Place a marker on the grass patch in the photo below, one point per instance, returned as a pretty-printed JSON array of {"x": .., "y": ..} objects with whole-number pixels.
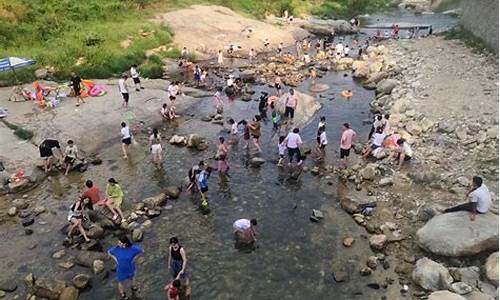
[
  {"x": 468, "y": 38},
  {"x": 103, "y": 38},
  {"x": 19, "y": 131}
]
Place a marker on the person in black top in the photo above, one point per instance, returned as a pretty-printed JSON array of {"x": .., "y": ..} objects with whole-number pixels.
[
  {"x": 76, "y": 85},
  {"x": 177, "y": 262},
  {"x": 263, "y": 105},
  {"x": 46, "y": 152}
]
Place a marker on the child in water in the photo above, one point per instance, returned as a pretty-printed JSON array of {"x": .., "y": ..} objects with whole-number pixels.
[{"x": 281, "y": 149}]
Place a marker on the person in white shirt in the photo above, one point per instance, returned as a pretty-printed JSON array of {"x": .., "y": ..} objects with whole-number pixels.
[
  {"x": 123, "y": 87},
  {"x": 340, "y": 50},
  {"x": 135, "y": 78},
  {"x": 377, "y": 141},
  {"x": 346, "y": 50},
  {"x": 70, "y": 156},
  {"x": 480, "y": 199},
  {"x": 322, "y": 143},
  {"x": 293, "y": 142},
  {"x": 378, "y": 122},
  {"x": 126, "y": 139},
  {"x": 220, "y": 58},
  {"x": 307, "y": 58},
  {"x": 173, "y": 90},
  {"x": 281, "y": 149},
  {"x": 251, "y": 54},
  {"x": 184, "y": 53},
  {"x": 245, "y": 230},
  {"x": 403, "y": 152}
]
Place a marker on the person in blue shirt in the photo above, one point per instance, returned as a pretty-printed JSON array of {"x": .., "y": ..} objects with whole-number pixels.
[
  {"x": 124, "y": 256},
  {"x": 203, "y": 184}
]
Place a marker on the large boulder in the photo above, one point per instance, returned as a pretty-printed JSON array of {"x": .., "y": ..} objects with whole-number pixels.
[
  {"x": 69, "y": 293},
  {"x": 49, "y": 288},
  {"x": 491, "y": 268},
  {"x": 386, "y": 86},
  {"x": 194, "y": 140},
  {"x": 431, "y": 275},
  {"x": 454, "y": 234},
  {"x": 155, "y": 201},
  {"x": 172, "y": 192},
  {"x": 307, "y": 106},
  {"x": 87, "y": 258},
  {"x": 445, "y": 295},
  {"x": 325, "y": 27}
]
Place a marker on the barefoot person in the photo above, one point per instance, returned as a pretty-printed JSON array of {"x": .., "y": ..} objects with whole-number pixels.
[
  {"x": 123, "y": 87},
  {"x": 177, "y": 262},
  {"x": 277, "y": 84},
  {"x": 47, "y": 154},
  {"x": 346, "y": 143},
  {"x": 377, "y": 141},
  {"x": 90, "y": 196},
  {"x": 135, "y": 77},
  {"x": 155, "y": 146},
  {"x": 76, "y": 84},
  {"x": 75, "y": 218},
  {"x": 255, "y": 132},
  {"x": 290, "y": 105},
  {"x": 193, "y": 174},
  {"x": 173, "y": 290},
  {"x": 245, "y": 230},
  {"x": 126, "y": 139},
  {"x": 402, "y": 153},
  {"x": 70, "y": 156},
  {"x": 125, "y": 254},
  {"x": 293, "y": 142},
  {"x": 322, "y": 142},
  {"x": 114, "y": 199},
  {"x": 480, "y": 199}
]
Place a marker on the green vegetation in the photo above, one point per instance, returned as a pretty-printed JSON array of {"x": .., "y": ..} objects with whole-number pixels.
[
  {"x": 468, "y": 38},
  {"x": 102, "y": 38},
  {"x": 18, "y": 131}
]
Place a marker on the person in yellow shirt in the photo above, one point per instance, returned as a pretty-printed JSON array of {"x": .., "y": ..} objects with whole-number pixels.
[{"x": 114, "y": 199}]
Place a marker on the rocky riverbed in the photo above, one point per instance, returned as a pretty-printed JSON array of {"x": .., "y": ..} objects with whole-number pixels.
[{"x": 443, "y": 98}]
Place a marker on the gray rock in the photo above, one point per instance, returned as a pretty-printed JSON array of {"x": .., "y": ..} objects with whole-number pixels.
[
  {"x": 81, "y": 281},
  {"x": 41, "y": 73},
  {"x": 38, "y": 210},
  {"x": 49, "y": 288},
  {"x": 454, "y": 234},
  {"x": 95, "y": 232},
  {"x": 340, "y": 276},
  {"x": 194, "y": 141},
  {"x": 378, "y": 241},
  {"x": 155, "y": 201},
  {"x": 8, "y": 286},
  {"x": 461, "y": 288},
  {"x": 27, "y": 221},
  {"x": 257, "y": 162},
  {"x": 372, "y": 262},
  {"x": 172, "y": 192},
  {"x": 446, "y": 127},
  {"x": 431, "y": 275},
  {"x": 445, "y": 295},
  {"x": 369, "y": 172},
  {"x": 87, "y": 258},
  {"x": 97, "y": 266},
  {"x": 137, "y": 235},
  {"x": 12, "y": 211},
  {"x": 20, "y": 203},
  {"x": 491, "y": 268},
  {"x": 474, "y": 295},
  {"x": 386, "y": 181},
  {"x": 386, "y": 86},
  {"x": 69, "y": 293}
]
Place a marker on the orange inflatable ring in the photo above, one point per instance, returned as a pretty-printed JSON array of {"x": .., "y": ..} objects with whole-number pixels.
[{"x": 346, "y": 94}]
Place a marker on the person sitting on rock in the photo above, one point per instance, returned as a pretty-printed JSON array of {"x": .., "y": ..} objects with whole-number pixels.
[
  {"x": 75, "y": 218},
  {"x": 164, "y": 111},
  {"x": 480, "y": 199},
  {"x": 377, "y": 141},
  {"x": 70, "y": 156},
  {"x": 90, "y": 196},
  {"x": 245, "y": 230},
  {"x": 114, "y": 199}
]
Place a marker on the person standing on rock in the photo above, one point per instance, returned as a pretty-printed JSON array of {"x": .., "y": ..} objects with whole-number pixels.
[
  {"x": 155, "y": 147},
  {"x": 197, "y": 75},
  {"x": 290, "y": 105},
  {"x": 125, "y": 254},
  {"x": 76, "y": 84},
  {"x": 177, "y": 262},
  {"x": 245, "y": 132},
  {"x": 220, "y": 58},
  {"x": 480, "y": 199},
  {"x": 255, "y": 132},
  {"x": 47, "y": 154},
  {"x": 313, "y": 74},
  {"x": 263, "y": 105},
  {"x": 219, "y": 103},
  {"x": 135, "y": 77},
  {"x": 123, "y": 87},
  {"x": 251, "y": 54},
  {"x": 346, "y": 140},
  {"x": 126, "y": 139},
  {"x": 293, "y": 143},
  {"x": 114, "y": 199}
]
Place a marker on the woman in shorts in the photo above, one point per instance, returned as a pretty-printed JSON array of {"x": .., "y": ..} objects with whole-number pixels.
[
  {"x": 114, "y": 199},
  {"x": 75, "y": 217},
  {"x": 155, "y": 147},
  {"x": 277, "y": 84},
  {"x": 126, "y": 139},
  {"x": 255, "y": 132}
]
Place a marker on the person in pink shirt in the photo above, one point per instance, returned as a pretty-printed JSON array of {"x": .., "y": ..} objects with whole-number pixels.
[
  {"x": 290, "y": 105},
  {"x": 348, "y": 136}
]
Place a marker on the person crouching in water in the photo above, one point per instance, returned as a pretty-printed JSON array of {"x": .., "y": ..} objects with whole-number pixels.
[{"x": 245, "y": 230}]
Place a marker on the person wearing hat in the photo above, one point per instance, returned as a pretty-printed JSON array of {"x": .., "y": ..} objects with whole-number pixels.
[{"x": 114, "y": 198}]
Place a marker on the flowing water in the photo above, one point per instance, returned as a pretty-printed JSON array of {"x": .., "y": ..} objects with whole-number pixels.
[{"x": 295, "y": 257}]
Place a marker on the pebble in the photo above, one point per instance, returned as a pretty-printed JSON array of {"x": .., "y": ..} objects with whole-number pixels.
[
  {"x": 365, "y": 271},
  {"x": 340, "y": 276},
  {"x": 66, "y": 265},
  {"x": 12, "y": 211},
  {"x": 348, "y": 241},
  {"x": 27, "y": 221},
  {"x": 59, "y": 254},
  {"x": 98, "y": 266}
]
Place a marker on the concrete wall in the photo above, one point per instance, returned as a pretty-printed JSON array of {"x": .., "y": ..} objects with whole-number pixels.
[{"x": 481, "y": 18}]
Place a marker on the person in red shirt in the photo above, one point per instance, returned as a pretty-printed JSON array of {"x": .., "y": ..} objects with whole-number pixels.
[
  {"x": 90, "y": 196},
  {"x": 173, "y": 290}
]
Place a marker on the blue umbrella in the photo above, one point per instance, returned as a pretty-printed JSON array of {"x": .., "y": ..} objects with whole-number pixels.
[{"x": 13, "y": 63}]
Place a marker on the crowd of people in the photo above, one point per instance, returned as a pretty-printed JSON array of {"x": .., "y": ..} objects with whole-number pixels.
[{"x": 382, "y": 143}]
